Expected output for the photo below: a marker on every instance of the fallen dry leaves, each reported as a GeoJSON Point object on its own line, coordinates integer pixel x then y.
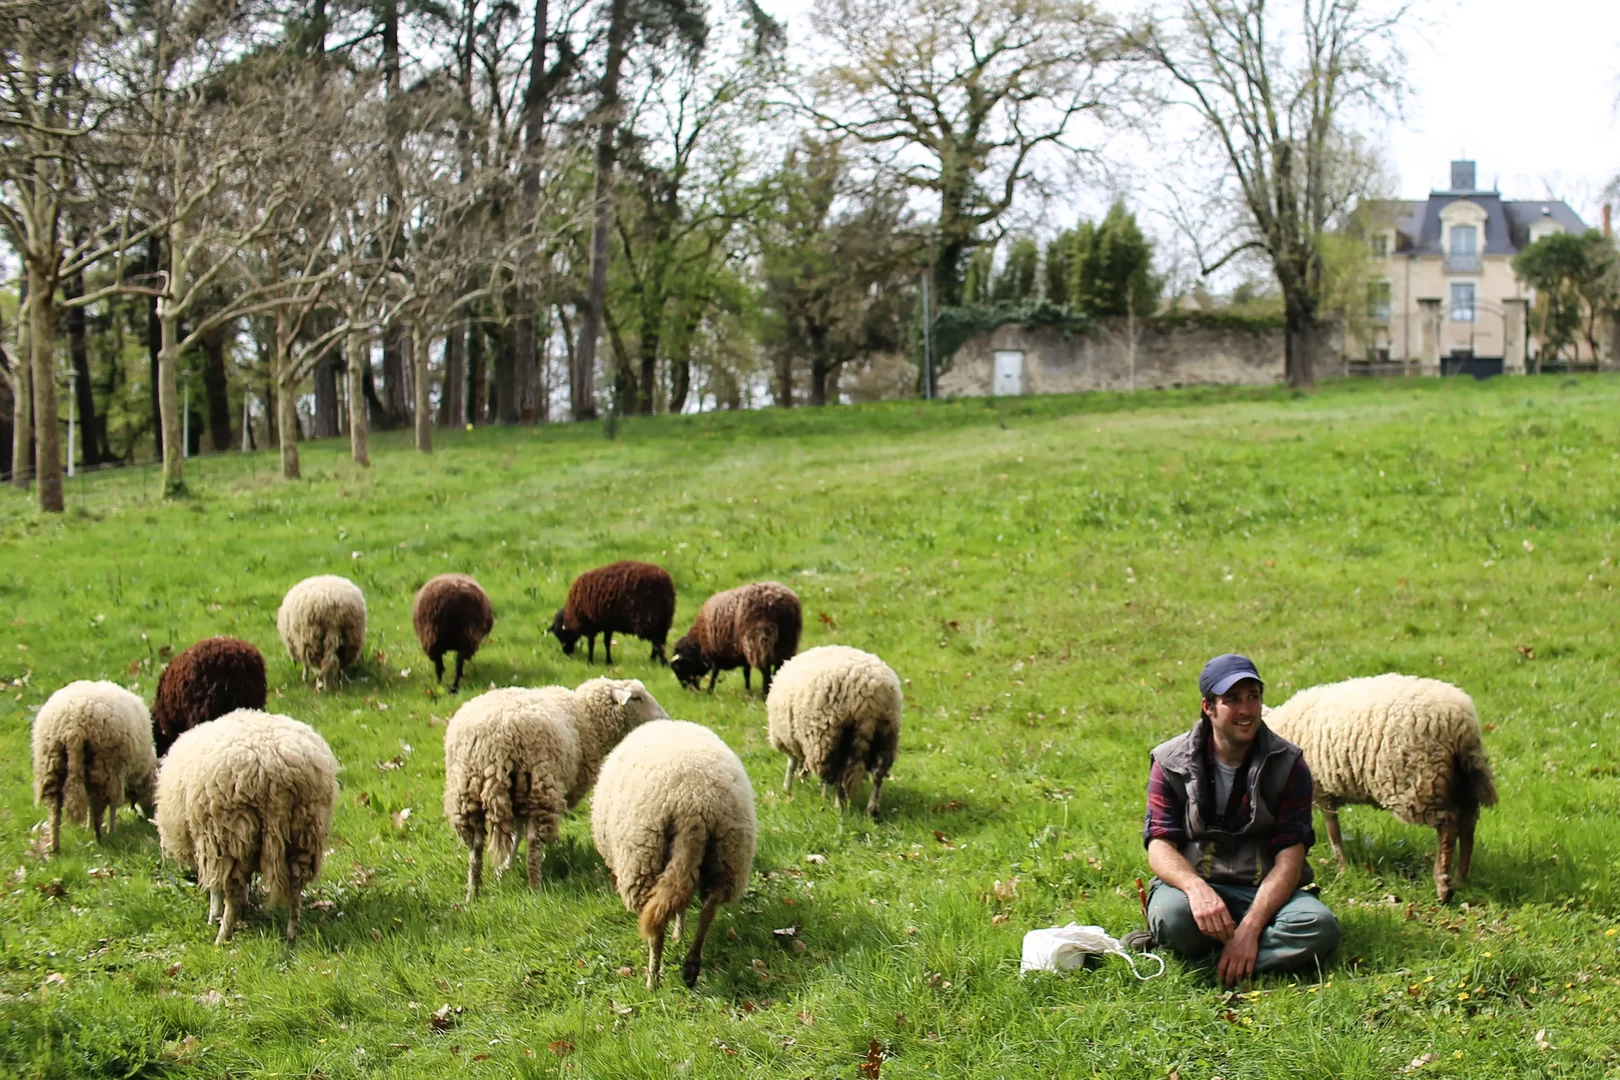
{"type": "Point", "coordinates": [873, 1064]}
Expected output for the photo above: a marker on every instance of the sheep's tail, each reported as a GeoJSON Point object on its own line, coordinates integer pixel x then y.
{"type": "Point", "coordinates": [679, 881]}
{"type": "Point", "coordinates": [499, 816]}
{"type": "Point", "coordinates": [846, 765]}
{"type": "Point", "coordinates": [64, 782]}
{"type": "Point", "coordinates": [331, 651]}
{"type": "Point", "coordinates": [1474, 770]}
{"type": "Point", "coordinates": [758, 642]}
{"type": "Point", "coordinates": [276, 848]}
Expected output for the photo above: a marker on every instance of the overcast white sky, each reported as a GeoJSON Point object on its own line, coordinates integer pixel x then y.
{"type": "Point", "coordinates": [1526, 89]}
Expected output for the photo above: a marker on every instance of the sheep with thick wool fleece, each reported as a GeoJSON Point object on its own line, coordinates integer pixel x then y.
{"type": "Point", "coordinates": [518, 758]}
{"type": "Point", "coordinates": [250, 792]}
{"type": "Point", "coordinates": [1409, 745]}
{"type": "Point", "coordinates": [835, 711]}
{"type": "Point", "coordinates": [92, 751]}
{"type": "Point", "coordinates": [673, 817]}
{"type": "Point", "coordinates": [322, 623]}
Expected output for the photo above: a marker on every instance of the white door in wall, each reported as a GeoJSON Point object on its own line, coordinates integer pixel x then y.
{"type": "Point", "coordinates": [1009, 374]}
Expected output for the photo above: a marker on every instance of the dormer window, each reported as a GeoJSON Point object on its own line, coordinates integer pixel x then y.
{"type": "Point", "coordinates": [1462, 250]}
{"type": "Point", "coordinates": [1380, 245]}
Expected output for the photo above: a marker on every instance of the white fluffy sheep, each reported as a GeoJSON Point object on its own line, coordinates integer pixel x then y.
{"type": "Point", "coordinates": [251, 791]}
{"type": "Point", "coordinates": [835, 711]}
{"type": "Point", "coordinates": [93, 750]}
{"type": "Point", "coordinates": [673, 816]}
{"type": "Point", "coordinates": [1411, 746]}
{"type": "Point", "coordinates": [519, 758]}
{"type": "Point", "coordinates": [322, 623]}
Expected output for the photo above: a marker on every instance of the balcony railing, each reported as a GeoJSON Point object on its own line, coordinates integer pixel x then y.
{"type": "Point", "coordinates": [1460, 263]}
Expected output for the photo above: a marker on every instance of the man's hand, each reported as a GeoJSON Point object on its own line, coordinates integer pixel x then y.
{"type": "Point", "coordinates": [1209, 912]}
{"type": "Point", "coordinates": [1237, 959]}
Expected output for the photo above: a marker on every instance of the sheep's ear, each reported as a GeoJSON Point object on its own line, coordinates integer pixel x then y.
{"type": "Point", "coordinates": [622, 694]}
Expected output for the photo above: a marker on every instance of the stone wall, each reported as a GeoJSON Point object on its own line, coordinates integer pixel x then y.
{"type": "Point", "coordinates": [1101, 359]}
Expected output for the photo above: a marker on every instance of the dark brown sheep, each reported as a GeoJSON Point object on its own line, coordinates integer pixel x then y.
{"type": "Point", "coordinates": [451, 614]}
{"type": "Point", "coordinates": [751, 626]}
{"type": "Point", "coordinates": [215, 676]}
{"type": "Point", "coordinates": [624, 597]}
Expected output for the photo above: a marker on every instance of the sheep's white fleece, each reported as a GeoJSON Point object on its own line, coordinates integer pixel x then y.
{"type": "Point", "coordinates": [836, 710]}
{"type": "Point", "coordinates": [674, 811]}
{"type": "Point", "coordinates": [251, 791]}
{"type": "Point", "coordinates": [92, 741]}
{"type": "Point", "coordinates": [322, 623]}
{"type": "Point", "coordinates": [1396, 741]}
{"type": "Point", "coordinates": [517, 754]}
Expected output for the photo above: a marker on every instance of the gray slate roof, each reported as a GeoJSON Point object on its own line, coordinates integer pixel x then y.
{"type": "Point", "coordinates": [1507, 223]}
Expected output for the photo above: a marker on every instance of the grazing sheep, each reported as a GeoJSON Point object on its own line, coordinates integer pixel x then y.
{"type": "Point", "coordinates": [624, 597]}
{"type": "Point", "coordinates": [751, 626]}
{"type": "Point", "coordinates": [451, 614]}
{"type": "Point", "coordinates": [213, 677]}
{"type": "Point", "coordinates": [519, 758]}
{"type": "Point", "coordinates": [673, 817]}
{"type": "Point", "coordinates": [251, 791]}
{"type": "Point", "coordinates": [835, 711]}
{"type": "Point", "coordinates": [322, 622]}
{"type": "Point", "coordinates": [1411, 746]}
{"type": "Point", "coordinates": [92, 744]}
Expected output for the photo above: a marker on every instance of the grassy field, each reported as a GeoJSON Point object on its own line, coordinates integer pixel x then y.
{"type": "Point", "coordinates": [1047, 575]}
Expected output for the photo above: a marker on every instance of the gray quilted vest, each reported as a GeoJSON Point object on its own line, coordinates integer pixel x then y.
{"type": "Point", "coordinates": [1239, 856]}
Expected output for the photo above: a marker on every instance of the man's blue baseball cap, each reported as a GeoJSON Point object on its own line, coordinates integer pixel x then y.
{"type": "Point", "coordinates": [1225, 672]}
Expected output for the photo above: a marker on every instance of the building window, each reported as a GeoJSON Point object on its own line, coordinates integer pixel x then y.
{"type": "Point", "coordinates": [1380, 245]}
{"type": "Point", "coordinates": [1378, 301]}
{"type": "Point", "coordinates": [1462, 302]}
{"type": "Point", "coordinates": [1462, 254]}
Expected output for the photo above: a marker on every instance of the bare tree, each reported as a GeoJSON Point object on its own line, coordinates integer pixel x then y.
{"type": "Point", "coordinates": [958, 98]}
{"type": "Point", "coordinates": [1276, 102]}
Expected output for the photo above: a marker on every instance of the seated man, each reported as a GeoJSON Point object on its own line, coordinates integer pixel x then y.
{"type": "Point", "coordinates": [1228, 825]}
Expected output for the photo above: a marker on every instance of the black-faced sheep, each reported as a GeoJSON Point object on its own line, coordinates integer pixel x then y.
{"type": "Point", "coordinates": [624, 597]}
{"type": "Point", "coordinates": [451, 614]}
{"type": "Point", "coordinates": [673, 817]}
{"type": "Point", "coordinates": [215, 676]}
{"type": "Point", "coordinates": [751, 626]}
{"type": "Point", "coordinates": [249, 792]}
{"type": "Point", "coordinates": [516, 759]}
{"type": "Point", "coordinates": [92, 750]}
{"type": "Point", "coordinates": [322, 622]}
{"type": "Point", "coordinates": [1411, 746]}
{"type": "Point", "coordinates": [835, 711]}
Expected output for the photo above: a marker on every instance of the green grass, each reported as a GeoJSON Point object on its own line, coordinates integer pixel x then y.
{"type": "Point", "coordinates": [1047, 575]}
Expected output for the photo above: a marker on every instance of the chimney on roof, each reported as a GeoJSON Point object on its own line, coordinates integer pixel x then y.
{"type": "Point", "coordinates": [1462, 176]}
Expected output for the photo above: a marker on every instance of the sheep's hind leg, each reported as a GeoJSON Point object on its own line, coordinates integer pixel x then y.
{"type": "Point", "coordinates": [792, 768]}
{"type": "Point", "coordinates": [1465, 844]}
{"type": "Point", "coordinates": [607, 648]}
{"type": "Point", "coordinates": [1447, 832]}
{"type": "Point", "coordinates": [56, 823]}
{"type": "Point", "coordinates": [456, 686]}
{"type": "Point", "coordinates": [216, 903]}
{"type": "Point", "coordinates": [235, 900]}
{"type": "Point", "coordinates": [1330, 816]}
{"type": "Point", "coordinates": [878, 774]}
{"type": "Point", "coordinates": [747, 672]}
{"type": "Point", "coordinates": [693, 964]}
{"type": "Point", "coordinates": [295, 893]}
{"type": "Point", "coordinates": [655, 959]}
{"type": "Point", "coordinates": [475, 861]}
{"type": "Point", "coordinates": [438, 669]}
{"type": "Point", "coordinates": [536, 850]}
{"type": "Point", "coordinates": [96, 808]}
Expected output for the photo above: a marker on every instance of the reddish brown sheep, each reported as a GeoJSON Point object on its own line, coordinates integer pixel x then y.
{"type": "Point", "coordinates": [751, 626]}
{"type": "Point", "coordinates": [451, 614]}
{"type": "Point", "coordinates": [624, 597]}
{"type": "Point", "coordinates": [215, 676]}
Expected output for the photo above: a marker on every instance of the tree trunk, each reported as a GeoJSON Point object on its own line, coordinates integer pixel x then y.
{"type": "Point", "coordinates": [42, 315]}
{"type": "Point", "coordinates": [396, 406]}
{"type": "Point", "coordinates": [505, 387]}
{"type": "Point", "coordinates": [421, 385]}
{"type": "Point", "coordinates": [22, 401]}
{"type": "Point", "coordinates": [784, 379]}
{"type": "Point", "coordinates": [325, 422]}
{"type": "Point", "coordinates": [819, 371]}
{"type": "Point", "coordinates": [359, 356]}
{"type": "Point", "coordinates": [83, 392]}
{"type": "Point", "coordinates": [477, 375]}
{"type": "Point", "coordinates": [1298, 340]}
{"type": "Point", "coordinates": [453, 398]}
{"type": "Point", "coordinates": [624, 380]}
{"type": "Point", "coordinates": [154, 343]}
{"type": "Point", "coordinates": [287, 420]}
{"type": "Point", "coordinates": [583, 383]}
{"type": "Point", "coordinates": [524, 375]}
{"type": "Point", "coordinates": [216, 387]}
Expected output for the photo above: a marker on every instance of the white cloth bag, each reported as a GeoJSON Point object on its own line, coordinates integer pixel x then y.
{"type": "Point", "coordinates": [1060, 948]}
